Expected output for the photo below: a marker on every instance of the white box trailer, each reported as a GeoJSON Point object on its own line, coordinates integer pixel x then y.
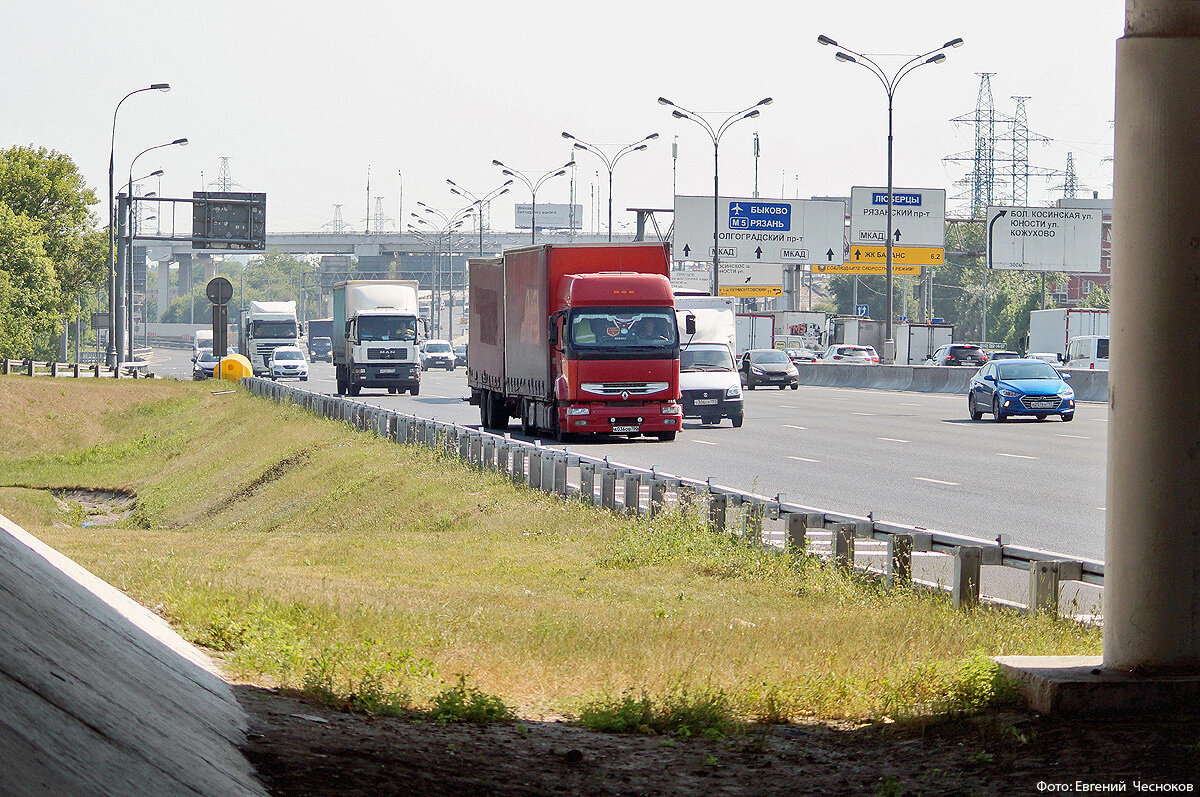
{"type": "Point", "coordinates": [1051, 330]}
{"type": "Point", "coordinates": [754, 331]}
{"type": "Point", "coordinates": [915, 343]}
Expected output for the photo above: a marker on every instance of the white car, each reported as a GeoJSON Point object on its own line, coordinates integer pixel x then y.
{"type": "Point", "coordinates": [437, 354]}
{"type": "Point", "coordinates": [857, 355]}
{"type": "Point", "coordinates": [287, 362]}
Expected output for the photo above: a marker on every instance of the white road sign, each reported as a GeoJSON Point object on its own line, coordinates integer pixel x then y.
{"type": "Point", "coordinates": [918, 217]}
{"type": "Point", "coordinates": [779, 231]}
{"type": "Point", "coordinates": [1044, 239]}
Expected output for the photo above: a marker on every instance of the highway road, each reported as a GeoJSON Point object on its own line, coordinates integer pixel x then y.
{"type": "Point", "coordinates": [912, 458]}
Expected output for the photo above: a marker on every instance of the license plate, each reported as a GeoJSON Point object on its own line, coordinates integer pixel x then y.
{"type": "Point", "coordinates": [1043, 405]}
{"type": "Point", "coordinates": [704, 402]}
{"type": "Point", "coordinates": [625, 428]}
{"type": "Point", "coordinates": [387, 370]}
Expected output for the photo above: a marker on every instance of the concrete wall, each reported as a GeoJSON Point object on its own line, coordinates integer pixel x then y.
{"type": "Point", "coordinates": [98, 695]}
{"type": "Point", "coordinates": [1088, 385]}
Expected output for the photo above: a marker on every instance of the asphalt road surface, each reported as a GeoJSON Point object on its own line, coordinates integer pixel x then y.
{"type": "Point", "coordinates": [912, 458]}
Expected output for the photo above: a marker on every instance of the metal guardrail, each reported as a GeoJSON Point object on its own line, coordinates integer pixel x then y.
{"type": "Point", "coordinates": [75, 370]}
{"type": "Point", "coordinates": [637, 491]}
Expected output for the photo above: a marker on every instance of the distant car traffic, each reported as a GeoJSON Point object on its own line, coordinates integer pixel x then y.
{"type": "Point", "coordinates": [1003, 355]}
{"type": "Point", "coordinates": [802, 355]}
{"type": "Point", "coordinates": [287, 362]}
{"type": "Point", "coordinates": [853, 355]}
{"type": "Point", "coordinates": [437, 354]}
{"type": "Point", "coordinates": [460, 356]}
{"type": "Point", "coordinates": [205, 363]}
{"type": "Point", "coordinates": [958, 354]}
{"type": "Point", "coordinates": [321, 349]}
{"type": "Point", "coordinates": [768, 367]}
{"type": "Point", "coordinates": [1020, 387]}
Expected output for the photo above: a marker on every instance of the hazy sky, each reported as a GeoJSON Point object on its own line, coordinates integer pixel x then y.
{"type": "Point", "coordinates": [304, 95]}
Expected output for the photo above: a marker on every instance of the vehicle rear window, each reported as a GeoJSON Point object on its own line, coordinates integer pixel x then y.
{"type": "Point", "coordinates": [964, 351]}
{"type": "Point", "coordinates": [1102, 348]}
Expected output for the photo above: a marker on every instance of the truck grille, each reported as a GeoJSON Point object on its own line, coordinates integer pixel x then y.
{"type": "Point", "coordinates": [388, 354]}
{"type": "Point", "coordinates": [618, 388]}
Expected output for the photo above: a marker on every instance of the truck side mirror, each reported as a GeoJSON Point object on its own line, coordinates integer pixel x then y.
{"type": "Point", "coordinates": [347, 329]}
{"type": "Point", "coordinates": [552, 331]}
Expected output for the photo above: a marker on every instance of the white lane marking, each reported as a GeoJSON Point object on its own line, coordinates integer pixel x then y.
{"type": "Point", "coordinates": [790, 426]}
{"type": "Point", "coordinates": [910, 404]}
{"type": "Point", "coordinates": [865, 413]}
{"type": "Point", "coordinates": [705, 442]}
{"type": "Point", "coordinates": [1102, 508]}
{"type": "Point", "coordinates": [788, 407]}
{"type": "Point", "coordinates": [804, 459]}
{"type": "Point", "coordinates": [893, 439]}
{"type": "Point", "coordinates": [1015, 456]}
{"type": "Point", "coordinates": [1076, 436]}
{"type": "Point", "coordinates": [1099, 420]}
{"type": "Point", "coordinates": [935, 481]}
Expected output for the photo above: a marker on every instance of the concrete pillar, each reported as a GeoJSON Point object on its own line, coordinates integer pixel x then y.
{"type": "Point", "coordinates": [1152, 542]}
{"type": "Point", "coordinates": [164, 287]}
{"type": "Point", "coordinates": [184, 283]}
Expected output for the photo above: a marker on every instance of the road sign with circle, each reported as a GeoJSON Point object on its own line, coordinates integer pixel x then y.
{"type": "Point", "coordinates": [219, 290]}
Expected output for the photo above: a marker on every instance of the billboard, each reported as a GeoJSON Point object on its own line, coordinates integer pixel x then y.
{"type": "Point", "coordinates": [550, 217]}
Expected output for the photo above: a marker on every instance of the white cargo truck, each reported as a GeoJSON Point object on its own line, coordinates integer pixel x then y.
{"type": "Point", "coordinates": [916, 343]}
{"type": "Point", "coordinates": [800, 329]}
{"type": "Point", "coordinates": [1050, 331]}
{"type": "Point", "coordinates": [376, 335]}
{"type": "Point", "coordinates": [264, 327]}
{"type": "Point", "coordinates": [754, 331]}
{"type": "Point", "coordinates": [708, 377]}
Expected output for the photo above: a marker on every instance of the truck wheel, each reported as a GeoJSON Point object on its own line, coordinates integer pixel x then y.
{"type": "Point", "coordinates": [736, 420]}
{"type": "Point", "coordinates": [665, 437]}
{"type": "Point", "coordinates": [341, 388]}
{"type": "Point", "coordinates": [416, 390]}
{"type": "Point", "coordinates": [795, 386]}
{"type": "Point", "coordinates": [354, 390]}
{"type": "Point", "coordinates": [392, 390]}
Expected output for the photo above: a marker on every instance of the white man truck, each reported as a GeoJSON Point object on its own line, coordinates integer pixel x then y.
{"type": "Point", "coordinates": [375, 336]}
{"type": "Point", "coordinates": [265, 327]}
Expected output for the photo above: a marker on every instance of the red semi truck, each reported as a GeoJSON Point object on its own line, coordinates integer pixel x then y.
{"type": "Point", "coordinates": [575, 339]}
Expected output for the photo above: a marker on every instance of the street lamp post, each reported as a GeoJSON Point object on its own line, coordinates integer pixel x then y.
{"type": "Point", "coordinates": [111, 355]}
{"type": "Point", "coordinates": [533, 186]}
{"type": "Point", "coordinates": [129, 198]}
{"type": "Point", "coordinates": [444, 232]}
{"type": "Point", "coordinates": [679, 112]}
{"type": "Point", "coordinates": [934, 56]}
{"type": "Point", "coordinates": [610, 163]}
{"type": "Point", "coordinates": [479, 202]}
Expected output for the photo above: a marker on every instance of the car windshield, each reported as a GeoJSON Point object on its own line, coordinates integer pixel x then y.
{"type": "Point", "coordinates": [1026, 370]}
{"type": "Point", "coordinates": [772, 356]}
{"type": "Point", "coordinates": [714, 359]}
{"type": "Point", "coordinates": [386, 327]}
{"type": "Point", "coordinates": [622, 328]}
{"type": "Point", "coordinates": [207, 357]}
{"type": "Point", "coordinates": [438, 348]}
{"type": "Point", "coordinates": [273, 329]}
{"type": "Point", "coordinates": [288, 355]}
{"type": "Point", "coordinates": [319, 343]}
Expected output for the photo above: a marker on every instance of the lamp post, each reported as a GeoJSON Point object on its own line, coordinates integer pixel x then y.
{"type": "Point", "coordinates": [934, 56]}
{"type": "Point", "coordinates": [610, 163]}
{"type": "Point", "coordinates": [455, 188]}
{"type": "Point", "coordinates": [442, 232]}
{"type": "Point", "coordinates": [679, 112]}
{"type": "Point", "coordinates": [533, 186]}
{"type": "Point", "coordinates": [111, 354]}
{"type": "Point", "coordinates": [182, 142]}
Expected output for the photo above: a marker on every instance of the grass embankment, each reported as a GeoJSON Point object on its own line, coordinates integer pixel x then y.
{"type": "Point", "coordinates": [319, 558]}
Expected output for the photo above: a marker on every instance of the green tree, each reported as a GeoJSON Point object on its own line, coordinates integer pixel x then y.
{"type": "Point", "coordinates": [29, 291]}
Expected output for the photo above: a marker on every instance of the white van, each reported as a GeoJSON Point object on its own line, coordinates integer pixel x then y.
{"type": "Point", "coordinates": [1088, 351]}
{"type": "Point", "coordinates": [708, 378]}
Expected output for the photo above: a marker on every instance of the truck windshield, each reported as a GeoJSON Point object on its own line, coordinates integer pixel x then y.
{"type": "Point", "coordinates": [693, 358]}
{"type": "Point", "coordinates": [625, 328]}
{"type": "Point", "coordinates": [273, 329]}
{"type": "Point", "coordinates": [386, 327]}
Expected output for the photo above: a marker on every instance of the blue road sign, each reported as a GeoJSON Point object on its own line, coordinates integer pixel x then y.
{"type": "Point", "coordinates": [774, 216]}
{"type": "Point", "coordinates": [862, 310]}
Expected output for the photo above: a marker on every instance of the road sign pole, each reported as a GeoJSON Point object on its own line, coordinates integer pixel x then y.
{"type": "Point", "coordinates": [716, 241]}
{"type": "Point", "coordinates": [889, 344]}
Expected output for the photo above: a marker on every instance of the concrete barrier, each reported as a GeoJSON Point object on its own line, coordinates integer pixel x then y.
{"type": "Point", "coordinates": [1088, 385]}
{"type": "Point", "coordinates": [98, 695]}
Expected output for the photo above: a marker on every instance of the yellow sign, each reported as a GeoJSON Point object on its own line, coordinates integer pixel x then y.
{"type": "Point", "coordinates": [907, 255]}
{"type": "Point", "coordinates": [868, 268]}
{"type": "Point", "coordinates": [750, 290]}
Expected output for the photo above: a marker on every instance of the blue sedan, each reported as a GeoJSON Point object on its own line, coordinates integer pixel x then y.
{"type": "Point", "coordinates": [1020, 387]}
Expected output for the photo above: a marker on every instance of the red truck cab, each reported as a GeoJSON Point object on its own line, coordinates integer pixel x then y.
{"type": "Point", "coordinates": [576, 339]}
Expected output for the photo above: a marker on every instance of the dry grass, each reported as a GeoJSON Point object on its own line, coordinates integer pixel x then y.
{"type": "Point", "coordinates": [314, 556]}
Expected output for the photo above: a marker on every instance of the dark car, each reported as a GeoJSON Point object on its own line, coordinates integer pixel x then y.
{"type": "Point", "coordinates": [1020, 387]}
{"type": "Point", "coordinates": [958, 354]}
{"type": "Point", "coordinates": [320, 349]}
{"type": "Point", "coordinates": [768, 367]}
{"type": "Point", "coordinates": [460, 356]}
{"type": "Point", "coordinates": [206, 363]}
{"type": "Point", "coordinates": [1003, 355]}
{"type": "Point", "coordinates": [802, 355]}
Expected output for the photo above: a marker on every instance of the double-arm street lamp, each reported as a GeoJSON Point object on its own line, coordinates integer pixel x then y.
{"type": "Point", "coordinates": [846, 55]}
{"type": "Point", "coordinates": [533, 186]}
{"type": "Point", "coordinates": [479, 202]}
{"type": "Point", "coordinates": [113, 307]}
{"type": "Point", "coordinates": [127, 263]}
{"type": "Point", "coordinates": [450, 224]}
{"type": "Point", "coordinates": [610, 163]}
{"type": "Point", "coordinates": [679, 112]}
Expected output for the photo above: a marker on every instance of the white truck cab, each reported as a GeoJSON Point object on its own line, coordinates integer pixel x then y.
{"type": "Point", "coordinates": [708, 377]}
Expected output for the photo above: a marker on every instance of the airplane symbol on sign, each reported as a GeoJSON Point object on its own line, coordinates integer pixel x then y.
{"type": "Point", "coordinates": [735, 209]}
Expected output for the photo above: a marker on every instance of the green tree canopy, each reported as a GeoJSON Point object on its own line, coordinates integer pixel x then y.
{"type": "Point", "coordinates": [29, 290]}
